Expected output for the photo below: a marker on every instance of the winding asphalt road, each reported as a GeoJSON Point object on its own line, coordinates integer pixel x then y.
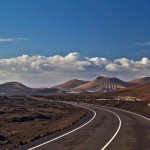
{"type": "Point", "coordinates": [103, 128]}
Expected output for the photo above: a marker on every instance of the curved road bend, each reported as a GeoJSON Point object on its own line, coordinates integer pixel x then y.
{"type": "Point", "coordinates": [133, 134]}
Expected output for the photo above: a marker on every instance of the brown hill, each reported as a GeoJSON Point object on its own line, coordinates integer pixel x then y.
{"type": "Point", "coordinates": [16, 88]}
{"type": "Point", "coordinates": [139, 91]}
{"type": "Point", "coordinates": [11, 88]}
{"type": "Point", "coordinates": [69, 85]}
{"type": "Point", "coordinates": [103, 84]}
{"type": "Point", "coordinates": [141, 81]}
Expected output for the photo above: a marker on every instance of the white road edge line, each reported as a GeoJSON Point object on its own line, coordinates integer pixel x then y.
{"type": "Point", "coordinates": [129, 112]}
{"type": "Point", "coordinates": [106, 108]}
{"type": "Point", "coordinates": [69, 131]}
{"type": "Point", "coordinates": [116, 131]}
{"type": "Point", "coordinates": [107, 144]}
{"type": "Point", "coordinates": [99, 107]}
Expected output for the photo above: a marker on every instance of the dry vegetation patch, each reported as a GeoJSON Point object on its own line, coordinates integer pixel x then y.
{"type": "Point", "coordinates": [23, 120]}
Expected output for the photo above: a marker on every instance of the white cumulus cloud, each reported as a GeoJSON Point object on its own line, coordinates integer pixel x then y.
{"type": "Point", "coordinates": [41, 71]}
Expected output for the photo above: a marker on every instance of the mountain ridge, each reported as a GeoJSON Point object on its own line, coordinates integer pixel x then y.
{"type": "Point", "coordinates": [143, 80]}
{"type": "Point", "coordinates": [69, 85]}
{"type": "Point", "coordinates": [14, 87]}
{"type": "Point", "coordinates": [139, 91]}
{"type": "Point", "coordinates": [100, 84]}
{"type": "Point", "coordinates": [103, 84]}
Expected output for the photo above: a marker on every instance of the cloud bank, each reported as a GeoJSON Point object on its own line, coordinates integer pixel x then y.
{"type": "Point", "coordinates": [41, 71]}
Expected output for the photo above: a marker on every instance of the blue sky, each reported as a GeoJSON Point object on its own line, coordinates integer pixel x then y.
{"type": "Point", "coordinates": [104, 28]}
{"type": "Point", "coordinates": [45, 42]}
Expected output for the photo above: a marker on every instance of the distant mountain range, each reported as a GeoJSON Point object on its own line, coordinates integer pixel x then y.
{"type": "Point", "coordinates": [139, 91]}
{"type": "Point", "coordinates": [141, 81]}
{"type": "Point", "coordinates": [101, 84]}
{"type": "Point", "coordinates": [71, 84]}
